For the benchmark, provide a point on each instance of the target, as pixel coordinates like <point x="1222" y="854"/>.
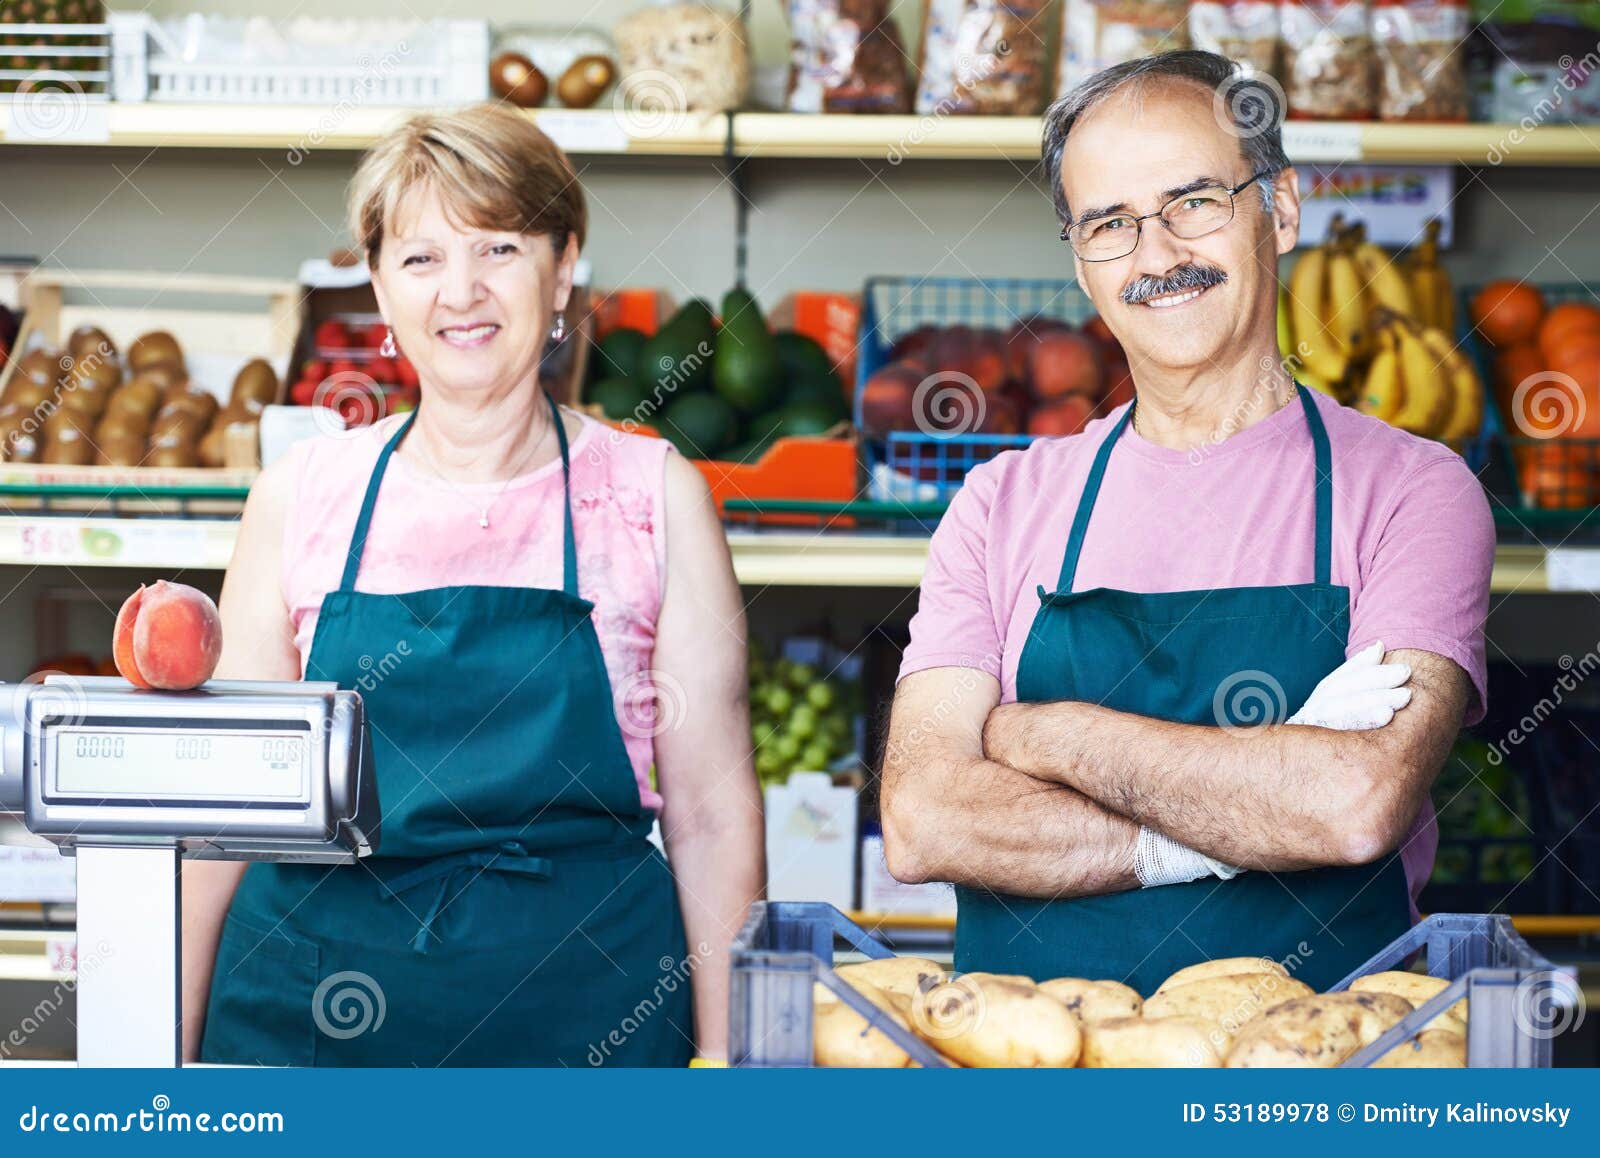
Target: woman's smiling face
<point x="470" y="307"/>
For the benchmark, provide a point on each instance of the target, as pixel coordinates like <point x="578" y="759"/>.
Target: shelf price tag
<point x="1573" y="569"/>
<point x="1313" y="141"/>
<point x="57" y="117"/>
<point x="47" y="543"/>
<point x="585" y="131"/>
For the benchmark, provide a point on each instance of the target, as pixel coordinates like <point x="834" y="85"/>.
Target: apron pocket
<point x="262" y="990"/>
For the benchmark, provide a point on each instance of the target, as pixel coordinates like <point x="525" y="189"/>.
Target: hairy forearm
<point x="1279" y="798"/>
<point x="985" y="825"/>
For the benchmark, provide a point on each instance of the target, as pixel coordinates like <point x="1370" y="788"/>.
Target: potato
<point x="1230" y="1001"/>
<point x="1008" y="978"/>
<point x="1152" y="1042"/>
<point x="1094" y="1000"/>
<point x="1319" y="1031"/>
<point x="1419" y="989"/>
<point x="895" y="974"/>
<point x="1432" y="1049"/>
<point x="842" y="1037"/>
<point x="1222" y="967"/>
<point x="990" y="1023"/>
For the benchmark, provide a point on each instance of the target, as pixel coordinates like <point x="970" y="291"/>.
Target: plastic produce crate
<point x="64" y="58"/>
<point x="911" y="466"/>
<point x="1537" y="479"/>
<point x="304" y="61"/>
<point x="1517" y="1001"/>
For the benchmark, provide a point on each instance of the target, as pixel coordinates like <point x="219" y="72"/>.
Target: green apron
<point x="1196" y="657"/>
<point x="515" y="913"/>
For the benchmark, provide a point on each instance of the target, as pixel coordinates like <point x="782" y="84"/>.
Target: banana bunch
<point x="1325" y="322"/>
<point x="1418" y="380"/>
<point x="1431" y="291"/>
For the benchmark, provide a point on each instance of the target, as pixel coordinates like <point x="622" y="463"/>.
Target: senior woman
<point x="536" y="608"/>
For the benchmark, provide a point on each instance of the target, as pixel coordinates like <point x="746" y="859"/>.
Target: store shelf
<point x="1017" y="139"/>
<point x="760" y="558"/>
<point x="308" y="128"/>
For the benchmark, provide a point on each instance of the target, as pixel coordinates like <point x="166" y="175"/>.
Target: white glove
<point x="1363" y="692"/>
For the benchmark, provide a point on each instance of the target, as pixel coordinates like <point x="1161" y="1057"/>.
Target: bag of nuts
<point x="688" y="55"/>
<point x="982" y="56"/>
<point x="845" y="56"/>
<point x="1242" y="30"/>
<point x="1096" y="34"/>
<point x="1327" y="60"/>
<point x="1422" y="72"/>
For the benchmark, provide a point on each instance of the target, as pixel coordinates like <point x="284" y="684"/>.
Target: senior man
<point x="1089" y="735"/>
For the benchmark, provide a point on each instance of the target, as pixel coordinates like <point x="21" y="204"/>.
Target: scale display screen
<point x="210" y="765"/>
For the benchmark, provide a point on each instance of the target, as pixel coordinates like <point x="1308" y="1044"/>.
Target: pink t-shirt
<point x="425" y="534"/>
<point x="1413" y="540"/>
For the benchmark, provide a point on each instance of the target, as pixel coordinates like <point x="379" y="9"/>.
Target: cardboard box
<point x="811" y="841"/>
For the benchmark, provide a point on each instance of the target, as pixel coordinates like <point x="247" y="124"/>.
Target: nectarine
<point x="1063" y="364"/>
<point x="167" y="636"/>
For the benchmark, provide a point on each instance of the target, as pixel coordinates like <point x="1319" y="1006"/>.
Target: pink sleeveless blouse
<point x="425" y="533"/>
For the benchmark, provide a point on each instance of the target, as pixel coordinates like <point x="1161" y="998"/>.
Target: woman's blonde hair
<point x="490" y="165"/>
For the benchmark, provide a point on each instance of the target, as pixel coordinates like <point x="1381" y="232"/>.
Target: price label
<point x="43" y="543"/>
<point x="58" y="116"/>
<point x="1312" y="141"/>
<point x="61" y="953"/>
<point x="585" y="132"/>
<point x="1573" y="569"/>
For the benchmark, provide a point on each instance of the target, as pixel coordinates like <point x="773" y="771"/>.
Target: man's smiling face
<point x="1175" y="304"/>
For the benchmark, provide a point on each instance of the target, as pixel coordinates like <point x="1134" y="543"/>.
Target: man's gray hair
<point x="1252" y="104"/>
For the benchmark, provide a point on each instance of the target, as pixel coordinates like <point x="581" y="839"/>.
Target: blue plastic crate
<point x="1517" y="1001"/>
<point x="910" y="465"/>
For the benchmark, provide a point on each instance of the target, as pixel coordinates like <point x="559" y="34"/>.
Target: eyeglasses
<point x="1189" y="215"/>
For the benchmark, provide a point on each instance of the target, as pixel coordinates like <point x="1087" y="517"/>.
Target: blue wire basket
<point x="911" y="466"/>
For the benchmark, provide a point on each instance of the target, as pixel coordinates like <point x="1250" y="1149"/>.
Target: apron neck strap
<point x="358" y="537"/>
<point x="1323" y="487"/>
<point x="1091" y="491"/>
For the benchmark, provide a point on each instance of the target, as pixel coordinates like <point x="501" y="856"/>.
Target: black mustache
<point x="1186" y="278"/>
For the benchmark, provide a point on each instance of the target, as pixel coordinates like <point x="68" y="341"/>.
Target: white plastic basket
<point x="305" y="61"/>
<point x="69" y="57"/>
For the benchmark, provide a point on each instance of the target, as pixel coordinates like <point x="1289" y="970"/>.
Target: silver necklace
<point x="483" y="511"/>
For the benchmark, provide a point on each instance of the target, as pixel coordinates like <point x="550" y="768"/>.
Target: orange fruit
<point x="1512" y="367"/>
<point x="1508" y="312"/>
<point x="1557" y="476"/>
<point x="1565" y="320"/>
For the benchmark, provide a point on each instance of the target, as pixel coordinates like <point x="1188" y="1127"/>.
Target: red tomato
<point x="302" y="392"/>
<point x="332" y="335"/>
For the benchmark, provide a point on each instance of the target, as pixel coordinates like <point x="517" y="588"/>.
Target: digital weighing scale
<point x="131" y="781"/>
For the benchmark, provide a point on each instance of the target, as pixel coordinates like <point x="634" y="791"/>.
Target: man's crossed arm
<point x="1046" y="800"/>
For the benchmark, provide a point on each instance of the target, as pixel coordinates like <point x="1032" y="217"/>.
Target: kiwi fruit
<point x="65" y="418"/>
<point x="84" y="393"/>
<point x="28" y="393"/>
<point x="141" y="396"/>
<point x="89" y="341"/>
<point x="172" y="455"/>
<point x="165" y="375"/>
<point x="68" y="446"/>
<point x="121" y="424"/>
<point x="156" y="346"/>
<point x="514" y="77"/>
<point x="256" y="382"/>
<point x="39" y="366"/>
<point x="197" y="400"/>
<point x="585" y="79"/>
<point x="177" y="425"/>
<point x="92" y="368"/>
<point x="19" y="438"/>
<point x="120" y="451"/>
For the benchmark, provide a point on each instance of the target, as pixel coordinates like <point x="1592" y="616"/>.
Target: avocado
<point x="802" y="419"/>
<point x="677" y="358"/>
<point x="620" y="398"/>
<point x="699" y="425"/>
<point x="616" y="355"/>
<point x="823" y="393"/>
<point x="749" y="451"/>
<point x="746" y="369"/>
<point x="803" y="358"/>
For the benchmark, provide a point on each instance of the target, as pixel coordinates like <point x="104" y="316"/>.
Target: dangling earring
<point x="559" y="330"/>
<point x="388" y="349"/>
